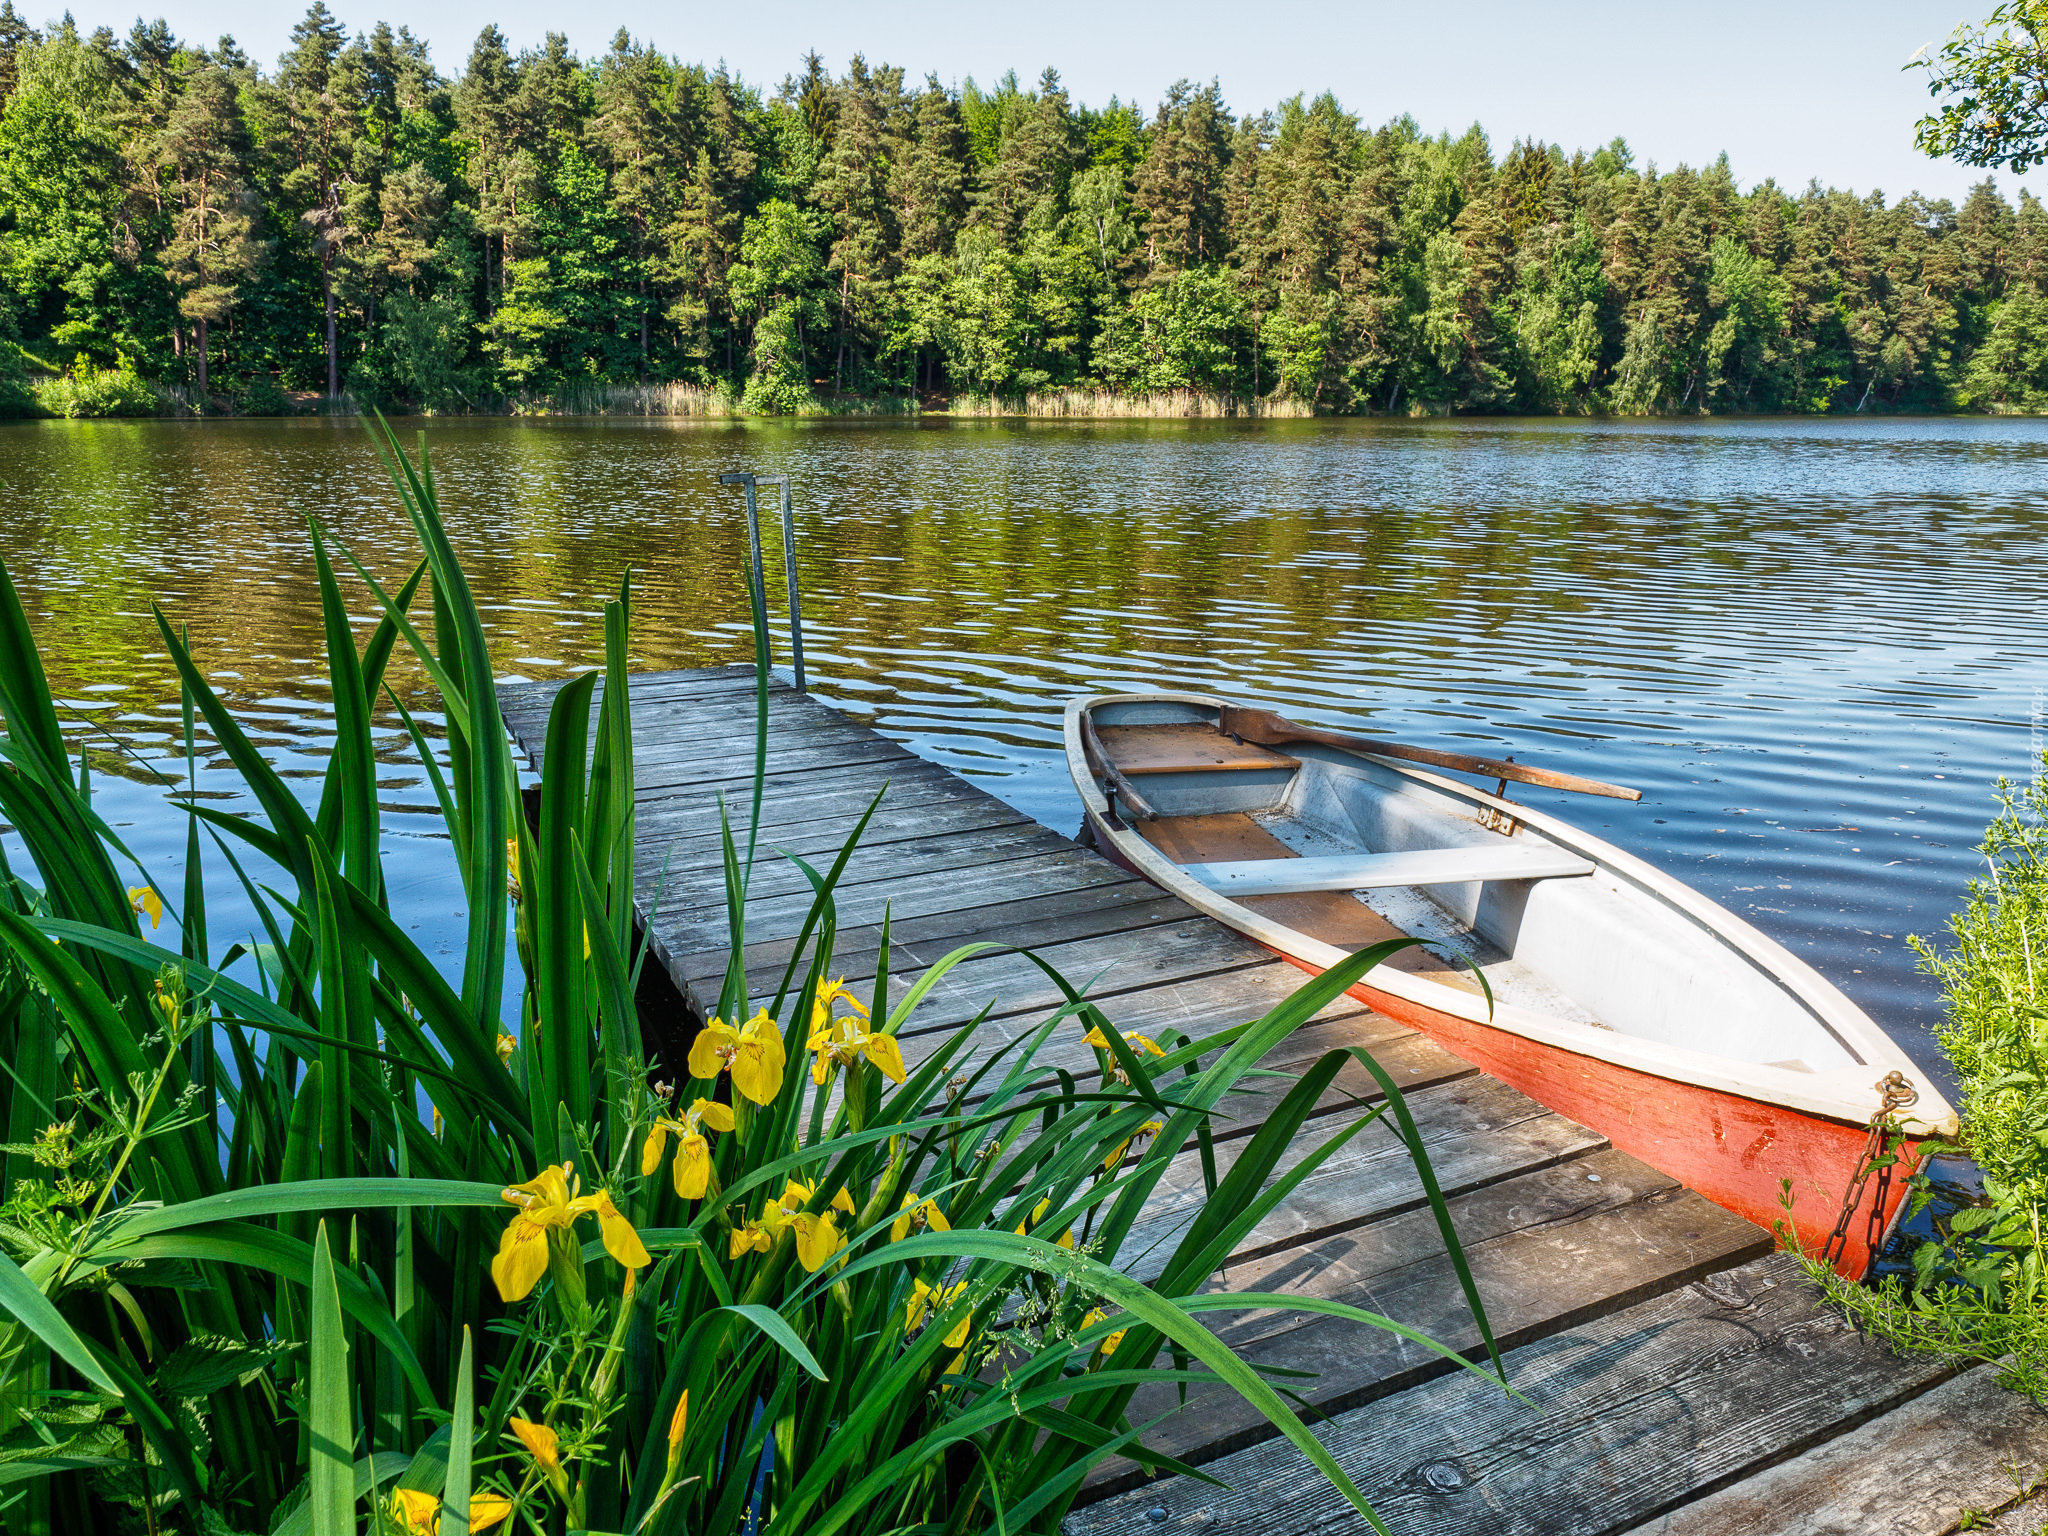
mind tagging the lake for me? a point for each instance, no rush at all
(1813, 645)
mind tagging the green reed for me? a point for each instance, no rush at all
(332, 1248)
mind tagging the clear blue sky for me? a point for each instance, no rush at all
(1792, 89)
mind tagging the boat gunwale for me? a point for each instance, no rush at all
(1837, 1094)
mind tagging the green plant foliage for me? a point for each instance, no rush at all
(261, 396)
(90, 391)
(300, 1236)
(1989, 80)
(1977, 1291)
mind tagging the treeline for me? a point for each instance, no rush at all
(357, 222)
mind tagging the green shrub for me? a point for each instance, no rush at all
(17, 396)
(1977, 1291)
(262, 395)
(90, 391)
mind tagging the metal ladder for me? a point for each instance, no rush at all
(756, 574)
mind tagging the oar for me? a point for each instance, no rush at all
(1112, 777)
(1266, 729)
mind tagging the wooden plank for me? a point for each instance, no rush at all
(1367, 871)
(1224, 835)
(2027, 1518)
(1548, 1250)
(1969, 1445)
(1107, 966)
(716, 747)
(699, 855)
(836, 796)
(1626, 1416)
(1127, 906)
(1400, 1053)
(1477, 1130)
(700, 839)
(781, 760)
(1060, 869)
(1414, 1060)
(811, 795)
(896, 863)
(526, 705)
(1139, 749)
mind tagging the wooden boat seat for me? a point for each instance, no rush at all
(1141, 749)
(1335, 917)
(1366, 871)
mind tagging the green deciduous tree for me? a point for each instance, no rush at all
(776, 284)
(1991, 83)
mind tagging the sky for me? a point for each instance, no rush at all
(1792, 90)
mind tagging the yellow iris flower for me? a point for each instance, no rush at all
(754, 1055)
(419, 1514)
(926, 1300)
(840, 1041)
(512, 867)
(146, 902)
(550, 1202)
(679, 1421)
(508, 1047)
(692, 1169)
(1030, 1223)
(1144, 1132)
(545, 1449)
(834, 991)
(1108, 1345)
(1096, 1038)
(541, 1443)
(817, 1234)
(919, 1215)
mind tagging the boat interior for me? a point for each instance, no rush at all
(1351, 851)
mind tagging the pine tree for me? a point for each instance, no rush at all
(928, 179)
(1035, 161)
(215, 246)
(484, 114)
(323, 124)
(816, 102)
(852, 189)
(1301, 190)
(1179, 185)
(638, 134)
(15, 35)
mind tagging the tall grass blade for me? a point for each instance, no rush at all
(333, 1498)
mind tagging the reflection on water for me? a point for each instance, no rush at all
(1813, 645)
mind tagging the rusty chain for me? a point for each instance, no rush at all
(1895, 1094)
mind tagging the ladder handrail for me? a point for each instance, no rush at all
(757, 573)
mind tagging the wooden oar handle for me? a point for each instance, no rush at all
(1267, 729)
(1134, 804)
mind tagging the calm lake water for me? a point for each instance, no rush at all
(1813, 645)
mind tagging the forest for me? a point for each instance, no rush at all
(181, 228)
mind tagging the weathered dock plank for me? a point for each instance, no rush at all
(1966, 1447)
(1624, 1419)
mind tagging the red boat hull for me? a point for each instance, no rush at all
(1735, 1151)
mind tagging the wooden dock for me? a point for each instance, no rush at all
(1675, 1375)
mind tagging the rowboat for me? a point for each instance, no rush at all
(1619, 997)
